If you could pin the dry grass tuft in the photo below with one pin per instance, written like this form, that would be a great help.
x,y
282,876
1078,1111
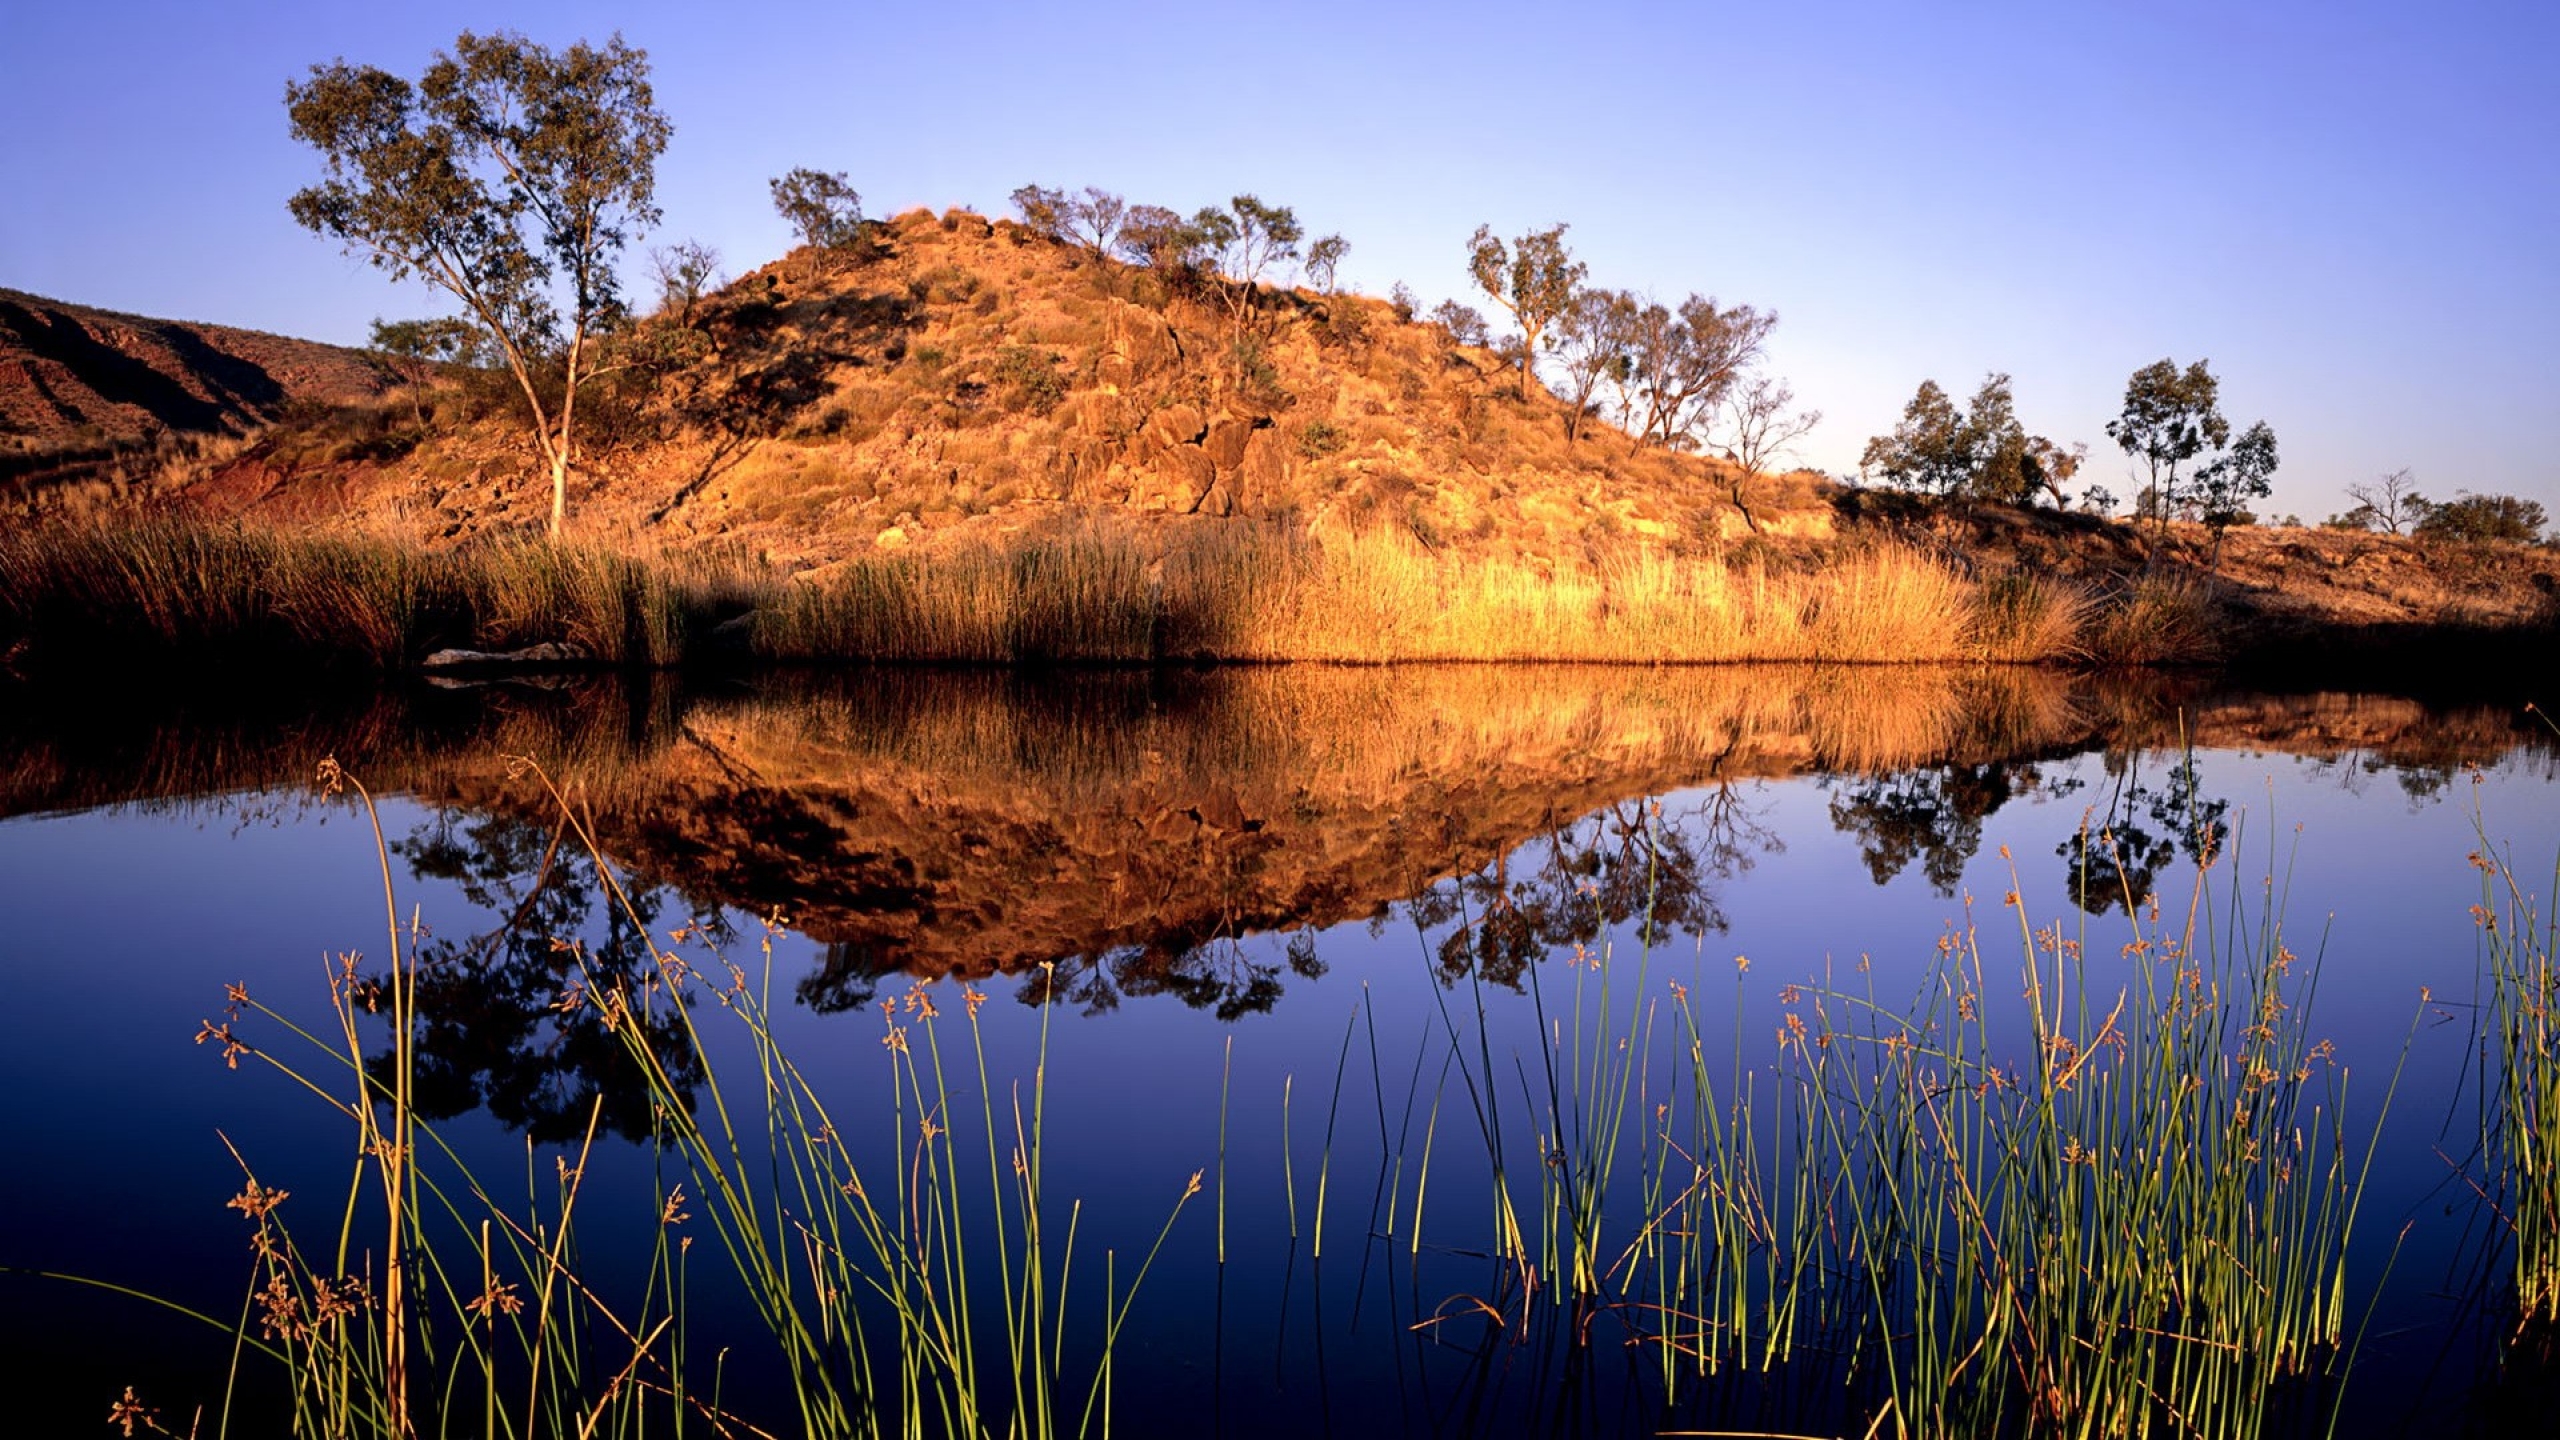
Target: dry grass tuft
x,y
2156,619
190,593
1264,593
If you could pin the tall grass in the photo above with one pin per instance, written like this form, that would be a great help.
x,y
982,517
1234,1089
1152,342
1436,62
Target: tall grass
x,y
1082,593
2157,618
1242,592
163,591
2522,1139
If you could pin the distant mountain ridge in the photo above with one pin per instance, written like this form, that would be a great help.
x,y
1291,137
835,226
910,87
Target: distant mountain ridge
x,y
77,377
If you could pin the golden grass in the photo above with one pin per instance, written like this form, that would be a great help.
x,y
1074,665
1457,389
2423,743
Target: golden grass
x,y
177,591
2157,619
1078,593
1260,593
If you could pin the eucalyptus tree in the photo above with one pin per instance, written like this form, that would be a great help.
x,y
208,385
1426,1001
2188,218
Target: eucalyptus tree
x,y
2241,474
1759,427
1244,242
1534,277
1929,453
1090,221
1324,259
1682,363
821,207
2170,418
415,348
508,175
1593,336
1161,240
1980,453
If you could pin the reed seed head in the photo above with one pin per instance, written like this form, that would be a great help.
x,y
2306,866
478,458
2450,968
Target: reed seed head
x,y
256,1200
130,1411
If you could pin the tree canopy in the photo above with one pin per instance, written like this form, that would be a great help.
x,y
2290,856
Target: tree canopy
x,y
2169,418
1534,277
2477,519
1981,454
821,207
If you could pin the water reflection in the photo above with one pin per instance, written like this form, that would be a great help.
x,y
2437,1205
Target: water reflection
x,y
1135,832
2116,857
505,1016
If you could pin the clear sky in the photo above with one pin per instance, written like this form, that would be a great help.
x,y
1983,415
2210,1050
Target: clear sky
x,y
2351,209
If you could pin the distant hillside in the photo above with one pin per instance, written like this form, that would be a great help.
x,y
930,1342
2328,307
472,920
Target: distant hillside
x,y
76,380
961,378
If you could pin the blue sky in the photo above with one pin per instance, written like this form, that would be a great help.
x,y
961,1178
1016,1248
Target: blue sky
x,y
2351,209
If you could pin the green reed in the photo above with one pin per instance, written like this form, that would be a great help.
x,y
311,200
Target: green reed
x,y
829,1247
926,1293
429,1304
2074,1195
2522,1076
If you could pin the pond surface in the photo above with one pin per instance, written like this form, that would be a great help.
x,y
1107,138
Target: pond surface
x,y
1290,929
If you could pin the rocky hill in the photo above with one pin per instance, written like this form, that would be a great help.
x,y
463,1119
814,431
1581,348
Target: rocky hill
x,y
960,376
955,385
79,382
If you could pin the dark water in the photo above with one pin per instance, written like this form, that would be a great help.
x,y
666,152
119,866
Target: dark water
x,y
1271,884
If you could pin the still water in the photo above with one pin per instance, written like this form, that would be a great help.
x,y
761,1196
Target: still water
x,y
1291,930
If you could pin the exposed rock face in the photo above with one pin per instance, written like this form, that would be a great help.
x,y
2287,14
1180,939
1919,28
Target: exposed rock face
x,y
964,380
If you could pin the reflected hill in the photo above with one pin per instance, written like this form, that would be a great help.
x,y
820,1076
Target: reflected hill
x,y
1128,822
983,824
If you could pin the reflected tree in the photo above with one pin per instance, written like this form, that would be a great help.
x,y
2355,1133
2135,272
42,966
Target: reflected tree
x,y
1932,815
2114,860
510,1019
1624,864
1214,973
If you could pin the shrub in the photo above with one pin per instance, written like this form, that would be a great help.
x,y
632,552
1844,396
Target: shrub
x,y
2158,620
2479,519
1346,322
1030,378
1463,323
1319,438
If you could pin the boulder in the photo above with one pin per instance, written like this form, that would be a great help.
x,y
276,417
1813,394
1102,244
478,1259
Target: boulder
x,y
1177,425
1141,345
1226,442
